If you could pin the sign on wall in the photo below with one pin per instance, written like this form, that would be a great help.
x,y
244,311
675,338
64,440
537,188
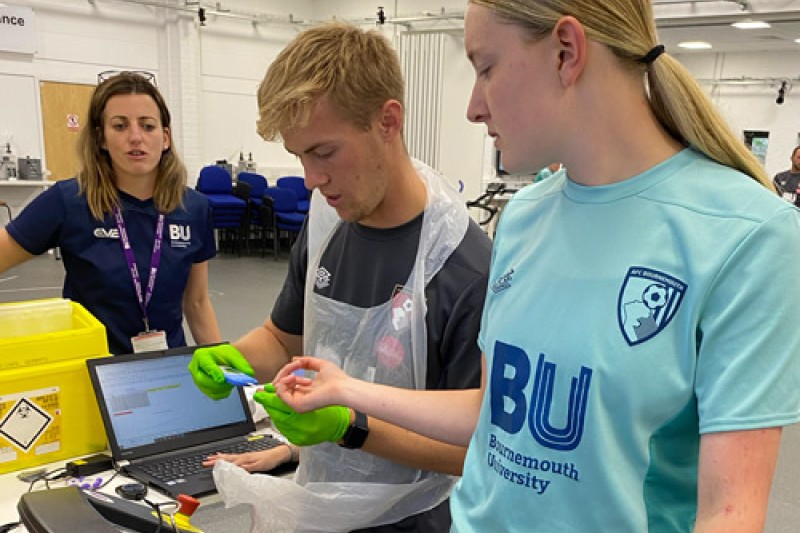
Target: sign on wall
x,y
17,29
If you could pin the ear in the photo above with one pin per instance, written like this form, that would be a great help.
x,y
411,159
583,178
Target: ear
x,y
167,140
572,49
390,120
101,139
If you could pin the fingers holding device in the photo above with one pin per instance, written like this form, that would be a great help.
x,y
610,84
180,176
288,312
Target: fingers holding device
x,y
207,373
237,378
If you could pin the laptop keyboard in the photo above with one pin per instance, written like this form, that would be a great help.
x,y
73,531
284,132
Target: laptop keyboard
x,y
184,466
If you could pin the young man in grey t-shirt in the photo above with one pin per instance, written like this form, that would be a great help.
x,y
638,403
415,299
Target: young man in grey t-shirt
x,y
788,181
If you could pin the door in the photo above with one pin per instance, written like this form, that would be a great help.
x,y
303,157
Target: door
x,y
64,110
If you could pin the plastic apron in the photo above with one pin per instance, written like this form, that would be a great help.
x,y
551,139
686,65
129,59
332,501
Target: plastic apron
x,y
385,344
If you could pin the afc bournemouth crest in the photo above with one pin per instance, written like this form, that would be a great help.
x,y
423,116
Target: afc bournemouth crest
x,y
648,300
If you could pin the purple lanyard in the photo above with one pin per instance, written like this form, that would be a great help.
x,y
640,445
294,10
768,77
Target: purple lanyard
x,y
155,260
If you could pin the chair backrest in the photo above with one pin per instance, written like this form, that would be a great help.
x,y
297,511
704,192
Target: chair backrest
x,y
257,182
242,190
295,183
214,179
283,199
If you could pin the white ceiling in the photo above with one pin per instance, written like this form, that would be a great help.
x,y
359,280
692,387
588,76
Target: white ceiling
x,y
725,38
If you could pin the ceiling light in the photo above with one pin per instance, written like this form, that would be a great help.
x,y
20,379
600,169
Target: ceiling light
x,y
751,25
695,45
797,41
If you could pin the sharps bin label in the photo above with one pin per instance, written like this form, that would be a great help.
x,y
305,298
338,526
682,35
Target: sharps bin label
x,y
24,417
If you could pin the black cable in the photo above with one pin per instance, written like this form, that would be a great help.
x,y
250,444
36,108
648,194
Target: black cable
x,y
106,482
47,477
157,508
158,512
5,528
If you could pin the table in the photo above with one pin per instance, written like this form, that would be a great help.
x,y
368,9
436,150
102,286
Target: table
x,y
211,516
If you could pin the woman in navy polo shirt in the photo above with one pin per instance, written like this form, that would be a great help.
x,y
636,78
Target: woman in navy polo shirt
x,y
134,238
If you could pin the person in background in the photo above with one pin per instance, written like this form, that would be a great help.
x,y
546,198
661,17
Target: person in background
x,y
135,240
631,382
386,280
788,182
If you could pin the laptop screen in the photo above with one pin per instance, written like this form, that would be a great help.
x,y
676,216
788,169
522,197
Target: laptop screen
x,y
150,404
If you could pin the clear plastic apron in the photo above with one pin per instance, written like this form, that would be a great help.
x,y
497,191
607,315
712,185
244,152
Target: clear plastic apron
x,y
385,344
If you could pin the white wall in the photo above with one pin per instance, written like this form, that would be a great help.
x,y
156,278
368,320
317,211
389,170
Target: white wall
x,y
209,76
753,107
75,42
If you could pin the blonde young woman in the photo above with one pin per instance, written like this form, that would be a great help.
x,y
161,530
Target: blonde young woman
x,y
630,381
131,190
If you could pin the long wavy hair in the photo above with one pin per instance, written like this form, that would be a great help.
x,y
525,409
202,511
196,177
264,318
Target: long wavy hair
x,y
627,28
96,173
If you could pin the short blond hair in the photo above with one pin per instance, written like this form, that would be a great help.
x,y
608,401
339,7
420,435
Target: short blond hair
x,y
357,70
627,28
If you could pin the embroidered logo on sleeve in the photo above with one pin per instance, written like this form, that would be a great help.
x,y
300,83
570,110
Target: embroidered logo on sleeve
x,y
503,282
648,300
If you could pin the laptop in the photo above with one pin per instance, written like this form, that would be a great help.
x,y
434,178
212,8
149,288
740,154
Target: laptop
x,y
160,426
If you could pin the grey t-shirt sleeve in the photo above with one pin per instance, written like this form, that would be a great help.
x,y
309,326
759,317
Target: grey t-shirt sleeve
x,y
287,313
455,304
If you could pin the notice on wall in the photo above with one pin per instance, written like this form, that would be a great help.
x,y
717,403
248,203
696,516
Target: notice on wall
x,y
17,29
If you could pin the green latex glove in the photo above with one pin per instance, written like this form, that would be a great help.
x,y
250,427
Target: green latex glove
x,y
207,375
327,424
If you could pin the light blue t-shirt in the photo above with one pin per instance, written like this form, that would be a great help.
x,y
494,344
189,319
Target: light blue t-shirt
x,y
621,323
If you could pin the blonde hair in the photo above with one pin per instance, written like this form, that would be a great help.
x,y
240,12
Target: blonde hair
x,y
357,70
96,174
627,28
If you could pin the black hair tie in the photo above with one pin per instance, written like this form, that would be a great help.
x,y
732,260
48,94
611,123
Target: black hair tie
x,y
652,55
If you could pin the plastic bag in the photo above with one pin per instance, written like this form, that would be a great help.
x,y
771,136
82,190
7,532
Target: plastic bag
x,y
279,505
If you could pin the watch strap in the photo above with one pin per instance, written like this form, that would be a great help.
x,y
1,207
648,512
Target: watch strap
x,y
356,433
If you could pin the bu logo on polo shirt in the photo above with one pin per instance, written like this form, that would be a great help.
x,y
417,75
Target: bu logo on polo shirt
x,y
180,236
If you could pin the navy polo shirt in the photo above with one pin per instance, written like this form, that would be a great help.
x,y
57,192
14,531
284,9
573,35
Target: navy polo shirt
x,y
97,275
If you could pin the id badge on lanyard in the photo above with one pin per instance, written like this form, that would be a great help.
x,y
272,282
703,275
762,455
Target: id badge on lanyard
x,y
148,340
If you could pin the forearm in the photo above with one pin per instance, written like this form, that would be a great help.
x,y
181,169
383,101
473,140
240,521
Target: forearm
x,y
735,476
197,306
449,416
411,449
202,321
11,253
268,349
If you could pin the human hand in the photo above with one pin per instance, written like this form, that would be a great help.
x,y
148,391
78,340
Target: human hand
x,y
305,394
260,461
206,373
328,424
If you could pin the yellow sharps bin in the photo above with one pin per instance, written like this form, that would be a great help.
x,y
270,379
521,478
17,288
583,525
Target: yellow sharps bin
x,y
48,411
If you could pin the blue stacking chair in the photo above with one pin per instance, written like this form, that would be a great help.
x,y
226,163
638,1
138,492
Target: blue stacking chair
x,y
281,215
228,211
257,230
258,186
298,185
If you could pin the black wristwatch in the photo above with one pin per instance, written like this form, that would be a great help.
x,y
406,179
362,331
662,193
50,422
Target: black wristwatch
x,y
357,433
